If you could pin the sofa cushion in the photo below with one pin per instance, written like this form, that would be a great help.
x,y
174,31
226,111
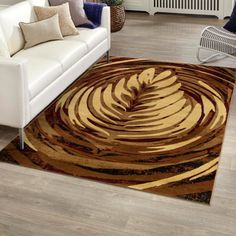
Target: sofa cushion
x,y
92,37
65,52
41,3
76,10
66,24
41,31
4,52
9,22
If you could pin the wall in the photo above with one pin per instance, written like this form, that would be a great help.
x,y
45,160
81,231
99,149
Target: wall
x,y
9,2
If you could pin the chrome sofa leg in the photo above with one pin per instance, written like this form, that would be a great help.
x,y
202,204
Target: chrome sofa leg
x,y
21,138
108,56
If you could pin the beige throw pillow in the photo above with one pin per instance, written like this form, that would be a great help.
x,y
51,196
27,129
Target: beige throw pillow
x,y
41,31
66,24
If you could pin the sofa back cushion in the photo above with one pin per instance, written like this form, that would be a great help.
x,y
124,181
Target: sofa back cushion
x,y
40,3
4,52
9,23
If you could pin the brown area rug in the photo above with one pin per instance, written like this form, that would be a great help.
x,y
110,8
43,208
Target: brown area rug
x,y
151,126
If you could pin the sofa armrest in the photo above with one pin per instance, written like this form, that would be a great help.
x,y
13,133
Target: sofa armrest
x,y
106,23
99,15
14,98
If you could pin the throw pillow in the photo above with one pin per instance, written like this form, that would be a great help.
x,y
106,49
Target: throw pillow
x,y
41,31
63,11
76,10
231,25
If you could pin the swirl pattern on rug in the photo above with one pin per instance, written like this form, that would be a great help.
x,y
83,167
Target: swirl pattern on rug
x,y
151,126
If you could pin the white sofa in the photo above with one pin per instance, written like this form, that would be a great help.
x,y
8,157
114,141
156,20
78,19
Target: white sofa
x,y
31,79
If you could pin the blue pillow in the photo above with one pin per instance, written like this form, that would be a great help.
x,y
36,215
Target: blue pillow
x,y
231,25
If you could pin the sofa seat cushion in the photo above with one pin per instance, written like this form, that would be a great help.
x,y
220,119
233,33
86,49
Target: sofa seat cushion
x,y
67,53
92,37
46,62
41,73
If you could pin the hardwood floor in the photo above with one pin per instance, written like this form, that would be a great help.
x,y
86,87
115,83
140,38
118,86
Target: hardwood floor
x,y
39,203
163,37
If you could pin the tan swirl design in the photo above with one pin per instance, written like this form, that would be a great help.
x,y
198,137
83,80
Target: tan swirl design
x,y
144,106
151,126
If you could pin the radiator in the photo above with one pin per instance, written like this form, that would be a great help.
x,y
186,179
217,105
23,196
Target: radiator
x,y
199,7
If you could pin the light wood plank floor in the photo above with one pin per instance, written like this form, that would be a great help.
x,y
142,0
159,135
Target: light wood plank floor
x,y
163,37
40,203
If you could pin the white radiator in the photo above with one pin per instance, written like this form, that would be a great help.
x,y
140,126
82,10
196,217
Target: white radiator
x,y
199,7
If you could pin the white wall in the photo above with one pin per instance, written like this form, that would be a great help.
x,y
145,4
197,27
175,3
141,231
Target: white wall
x,y
9,2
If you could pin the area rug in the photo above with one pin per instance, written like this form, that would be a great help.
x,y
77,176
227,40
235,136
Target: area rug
x,y
152,126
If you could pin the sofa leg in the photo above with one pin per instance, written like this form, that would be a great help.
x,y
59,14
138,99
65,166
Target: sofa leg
x,y
108,56
21,138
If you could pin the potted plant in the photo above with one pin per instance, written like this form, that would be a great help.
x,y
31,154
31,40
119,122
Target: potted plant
x,y
117,14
